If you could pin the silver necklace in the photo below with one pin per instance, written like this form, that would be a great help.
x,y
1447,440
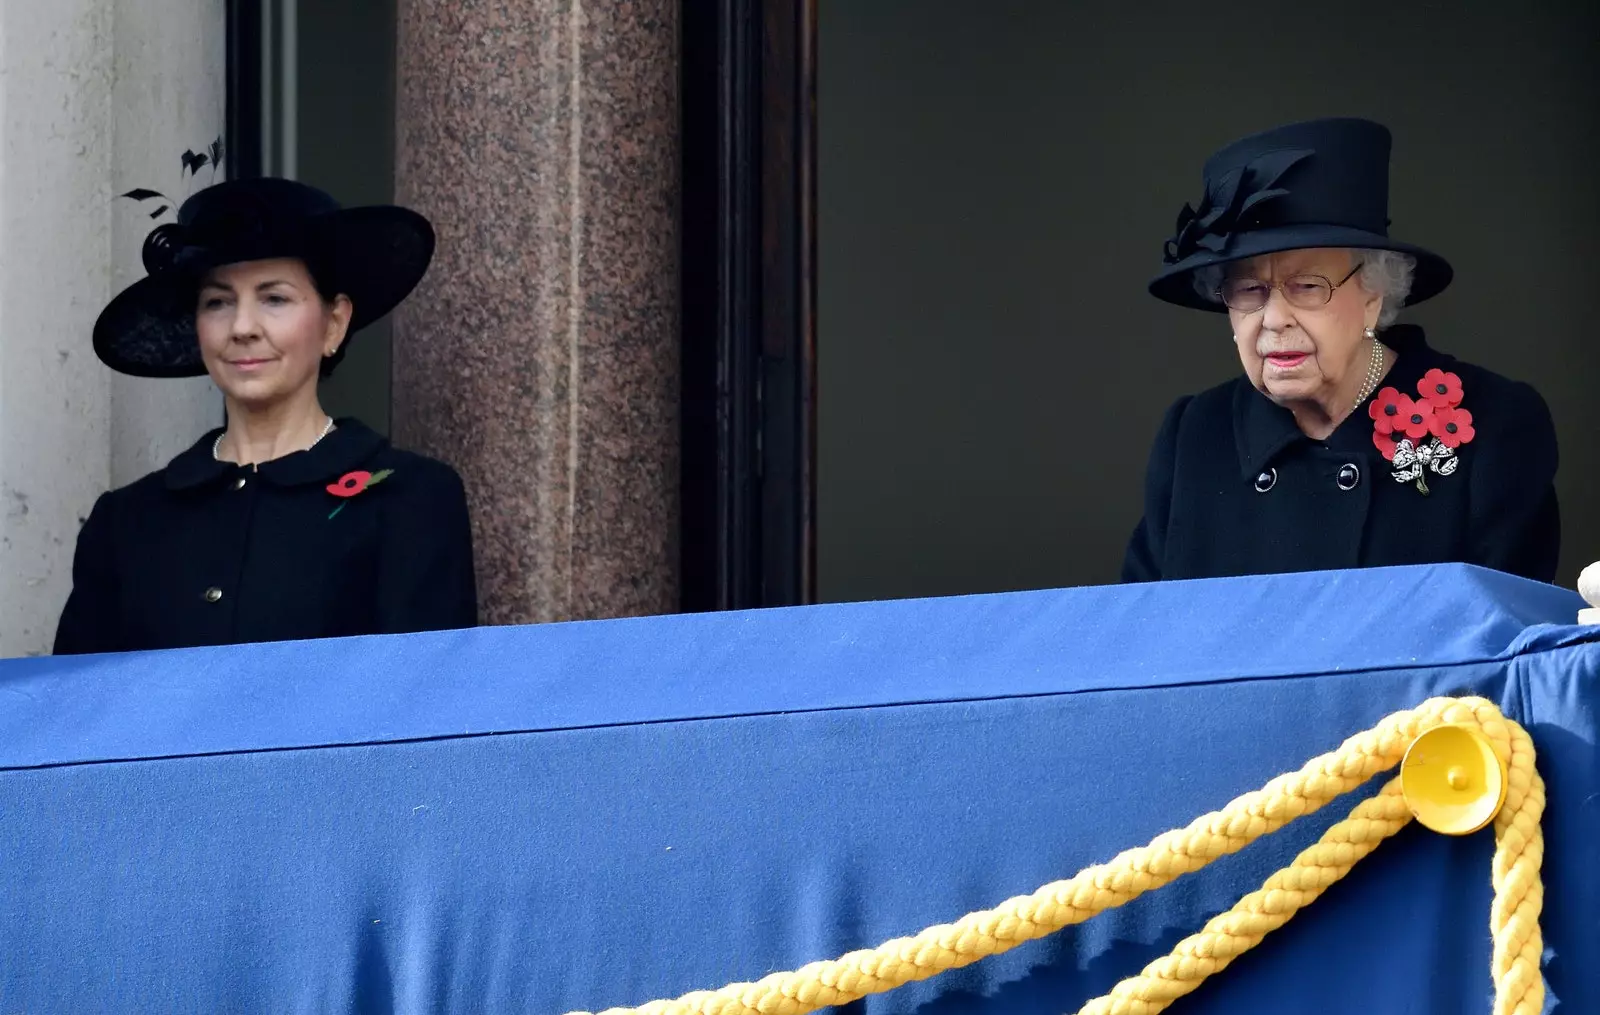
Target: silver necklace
x,y
1374,374
216,445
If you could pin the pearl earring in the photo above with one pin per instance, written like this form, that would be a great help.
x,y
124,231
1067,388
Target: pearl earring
x,y
1371,333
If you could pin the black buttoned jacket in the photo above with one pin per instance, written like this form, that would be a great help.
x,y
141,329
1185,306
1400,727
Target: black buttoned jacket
x,y
210,553
1234,487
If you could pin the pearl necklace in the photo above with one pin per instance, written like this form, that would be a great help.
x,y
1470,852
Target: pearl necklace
x,y
216,445
1374,374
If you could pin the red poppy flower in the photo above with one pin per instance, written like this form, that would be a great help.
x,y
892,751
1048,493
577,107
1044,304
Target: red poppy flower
x,y
1440,389
1415,421
1384,444
1386,407
1394,413
350,484
1453,427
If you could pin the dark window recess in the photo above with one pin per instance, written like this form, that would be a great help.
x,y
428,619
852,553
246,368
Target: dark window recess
x,y
749,338
242,137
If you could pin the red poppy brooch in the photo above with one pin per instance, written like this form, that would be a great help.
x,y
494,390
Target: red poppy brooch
x,y
352,483
1422,435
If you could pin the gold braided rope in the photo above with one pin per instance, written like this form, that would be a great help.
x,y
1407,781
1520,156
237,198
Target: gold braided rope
x,y
1513,918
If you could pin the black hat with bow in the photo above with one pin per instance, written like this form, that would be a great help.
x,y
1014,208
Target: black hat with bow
x,y
1323,183
374,255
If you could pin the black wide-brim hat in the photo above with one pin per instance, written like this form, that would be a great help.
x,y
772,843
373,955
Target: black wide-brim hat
x,y
374,255
1322,183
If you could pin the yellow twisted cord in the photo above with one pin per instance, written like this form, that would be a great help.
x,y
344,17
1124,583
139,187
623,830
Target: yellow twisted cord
x,y
1514,918
1241,928
1518,889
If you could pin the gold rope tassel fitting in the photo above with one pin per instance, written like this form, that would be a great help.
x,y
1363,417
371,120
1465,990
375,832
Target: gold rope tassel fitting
x,y
1462,765
1453,780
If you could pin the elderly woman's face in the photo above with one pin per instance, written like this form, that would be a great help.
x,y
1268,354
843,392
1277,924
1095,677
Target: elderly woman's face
x,y
264,329
1296,349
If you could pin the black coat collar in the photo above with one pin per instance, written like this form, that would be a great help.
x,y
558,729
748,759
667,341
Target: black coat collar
x,y
1262,430
348,446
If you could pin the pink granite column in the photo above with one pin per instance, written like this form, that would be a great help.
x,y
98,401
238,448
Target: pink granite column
x,y
540,357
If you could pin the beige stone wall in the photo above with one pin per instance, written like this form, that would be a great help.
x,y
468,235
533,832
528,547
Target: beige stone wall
x,y
96,97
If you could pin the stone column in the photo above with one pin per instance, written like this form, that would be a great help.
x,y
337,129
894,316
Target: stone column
x,y
540,357
99,97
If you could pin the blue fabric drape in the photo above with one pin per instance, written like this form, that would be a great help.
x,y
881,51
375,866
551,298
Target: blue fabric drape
x,y
575,816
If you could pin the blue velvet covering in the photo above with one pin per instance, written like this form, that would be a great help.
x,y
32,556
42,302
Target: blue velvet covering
x,y
574,816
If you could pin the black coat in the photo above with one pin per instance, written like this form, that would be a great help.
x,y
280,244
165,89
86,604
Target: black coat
x,y
210,553
1204,517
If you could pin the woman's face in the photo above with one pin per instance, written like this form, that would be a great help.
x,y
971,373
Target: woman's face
x,y
264,330
1301,352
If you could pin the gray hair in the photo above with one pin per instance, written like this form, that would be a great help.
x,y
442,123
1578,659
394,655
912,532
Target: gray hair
x,y
1385,273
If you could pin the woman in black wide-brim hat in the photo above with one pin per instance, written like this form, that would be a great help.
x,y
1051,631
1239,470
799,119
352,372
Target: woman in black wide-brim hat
x,y
1349,441
285,524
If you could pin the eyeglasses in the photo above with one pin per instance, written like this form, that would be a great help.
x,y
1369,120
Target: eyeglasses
x,y
1308,292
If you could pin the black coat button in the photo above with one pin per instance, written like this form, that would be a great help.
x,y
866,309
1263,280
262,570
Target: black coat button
x,y
1266,481
1349,476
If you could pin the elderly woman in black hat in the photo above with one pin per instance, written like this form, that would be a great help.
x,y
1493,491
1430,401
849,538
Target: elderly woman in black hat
x,y
1349,441
285,523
